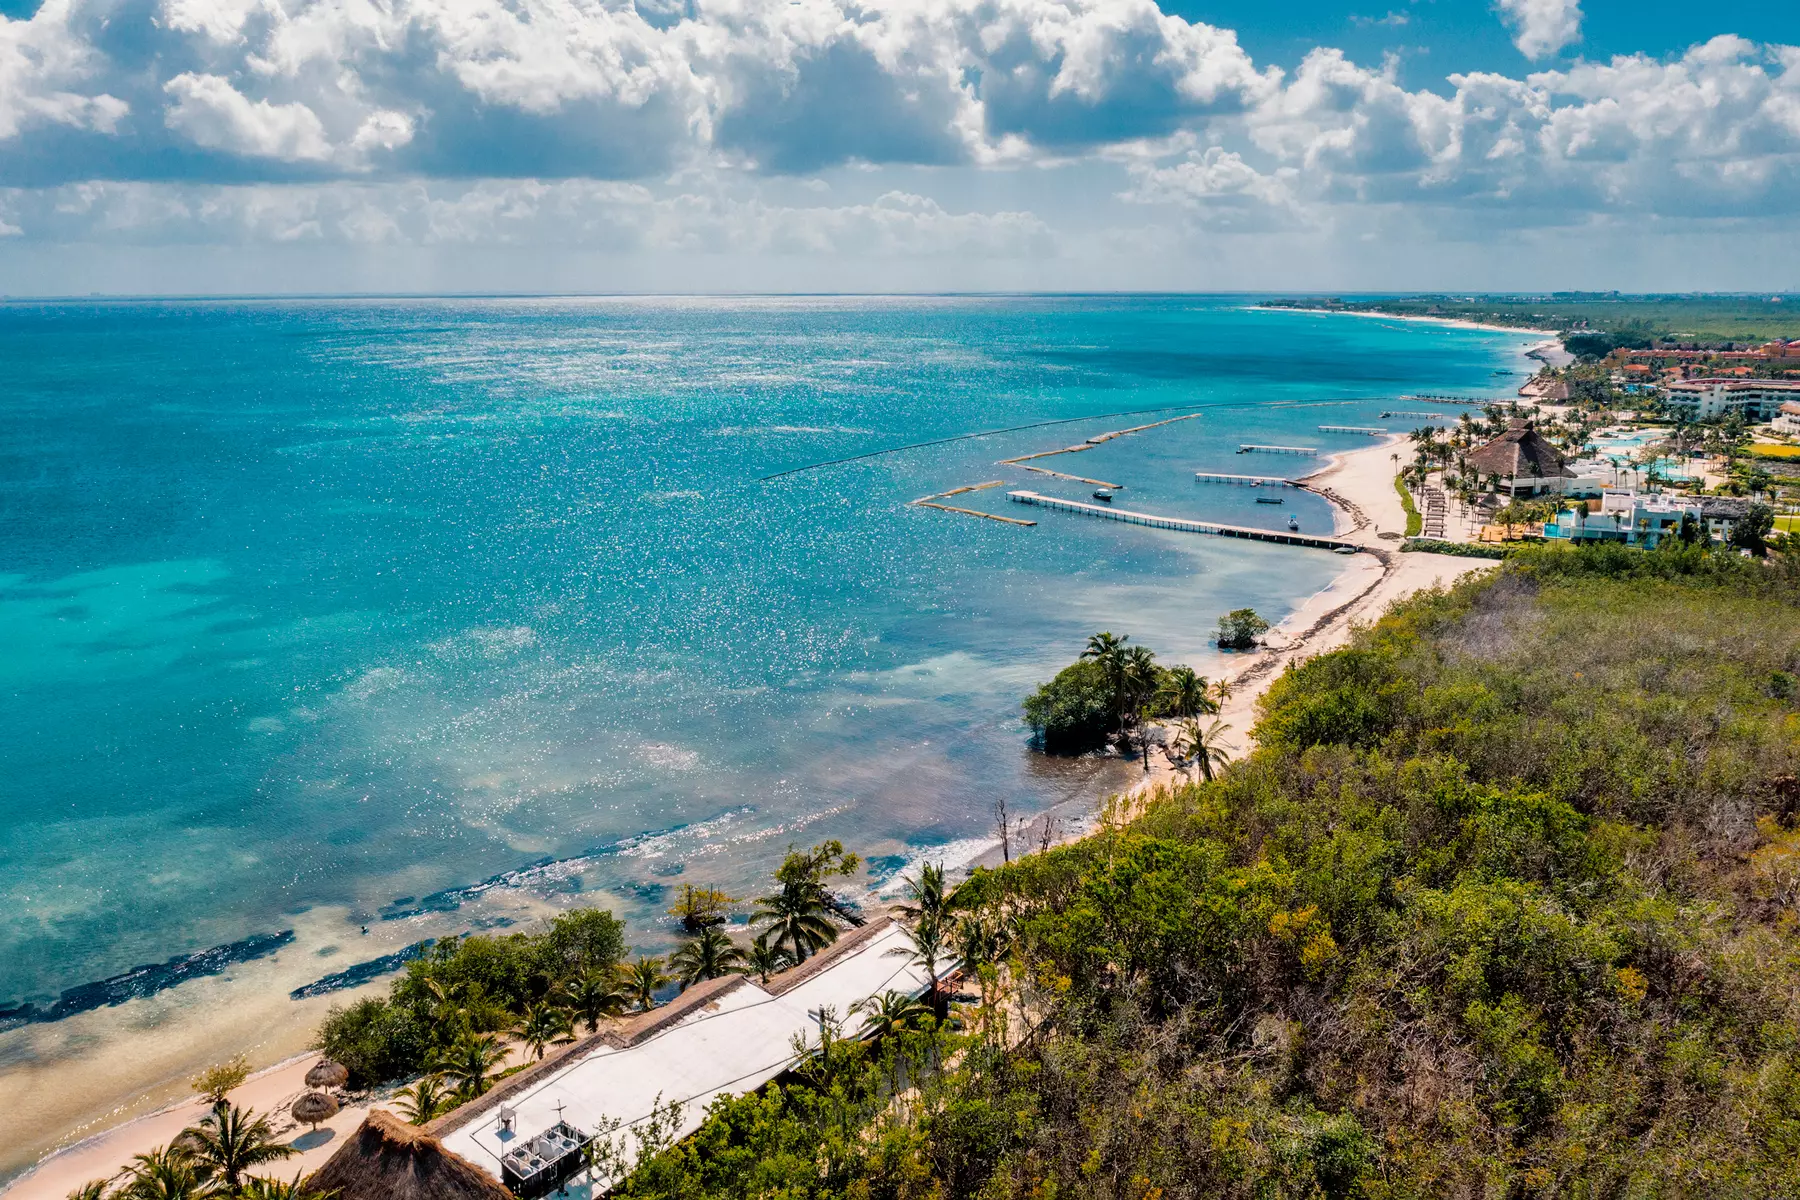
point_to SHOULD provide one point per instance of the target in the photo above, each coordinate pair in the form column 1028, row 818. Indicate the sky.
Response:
column 307, row 146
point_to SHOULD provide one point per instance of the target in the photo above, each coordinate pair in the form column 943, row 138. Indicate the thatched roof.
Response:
column 387, row 1159
column 1520, row 453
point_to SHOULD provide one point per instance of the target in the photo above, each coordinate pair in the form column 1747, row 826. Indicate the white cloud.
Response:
column 1542, row 27
column 41, row 59
column 209, row 112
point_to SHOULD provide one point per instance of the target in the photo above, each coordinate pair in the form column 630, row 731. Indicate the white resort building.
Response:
column 1709, row 399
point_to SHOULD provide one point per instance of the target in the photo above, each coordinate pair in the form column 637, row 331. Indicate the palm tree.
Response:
column 544, row 1025
column 1221, row 692
column 1184, row 693
column 229, row 1140
column 764, row 958
column 471, row 1060
column 926, row 949
column 595, row 995
column 708, row 955
column 642, row 979
column 890, row 1013
column 1108, row 649
column 166, row 1174
column 94, row 1189
column 930, row 902
column 423, row 1101
column 798, row 918
column 1202, row 746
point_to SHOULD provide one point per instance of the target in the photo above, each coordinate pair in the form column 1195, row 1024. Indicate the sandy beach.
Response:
column 1359, row 484
column 1452, row 322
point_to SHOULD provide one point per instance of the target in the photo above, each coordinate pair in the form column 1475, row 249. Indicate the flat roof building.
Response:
column 1710, row 399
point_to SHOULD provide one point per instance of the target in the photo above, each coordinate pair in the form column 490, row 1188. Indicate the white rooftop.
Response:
column 736, row 1042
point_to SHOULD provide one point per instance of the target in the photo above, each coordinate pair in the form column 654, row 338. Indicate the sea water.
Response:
column 319, row 617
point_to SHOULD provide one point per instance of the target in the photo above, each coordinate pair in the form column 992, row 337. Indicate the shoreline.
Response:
column 1452, row 322
column 1357, row 483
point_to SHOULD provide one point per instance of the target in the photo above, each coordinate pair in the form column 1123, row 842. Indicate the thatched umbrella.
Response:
column 326, row 1074
column 313, row 1107
column 388, row 1159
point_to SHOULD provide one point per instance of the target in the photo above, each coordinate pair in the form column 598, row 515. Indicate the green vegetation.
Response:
column 1239, row 629
column 1459, row 549
column 217, row 1082
column 1506, row 903
column 1606, row 319
column 1415, row 524
column 1110, row 691
column 209, row 1161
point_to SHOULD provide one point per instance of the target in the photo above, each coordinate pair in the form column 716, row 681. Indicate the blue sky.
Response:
column 168, row 146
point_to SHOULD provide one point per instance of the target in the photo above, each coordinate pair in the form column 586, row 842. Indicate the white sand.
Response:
column 1452, row 322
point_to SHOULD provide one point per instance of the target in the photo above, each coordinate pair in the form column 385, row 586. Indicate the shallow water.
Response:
column 350, row 605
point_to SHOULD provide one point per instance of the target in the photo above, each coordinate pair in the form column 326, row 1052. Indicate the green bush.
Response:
column 377, row 1042
column 1239, row 629
column 1073, row 713
column 1415, row 524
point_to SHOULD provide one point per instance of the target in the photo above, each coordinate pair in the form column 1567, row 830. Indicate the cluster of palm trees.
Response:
column 1143, row 691
column 208, row 1161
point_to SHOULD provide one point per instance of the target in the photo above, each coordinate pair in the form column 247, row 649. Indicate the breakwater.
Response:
column 145, row 980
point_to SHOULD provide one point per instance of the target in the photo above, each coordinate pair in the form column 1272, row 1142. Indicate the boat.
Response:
column 1104, row 494
column 1343, row 549
column 1270, row 500
column 1293, row 524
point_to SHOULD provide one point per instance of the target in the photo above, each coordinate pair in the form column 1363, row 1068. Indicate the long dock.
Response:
column 1099, row 439
column 931, row 501
column 1398, row 412
column 1244, row 480
column 1372, row 430
column 1250, row 448
column 1177, row 523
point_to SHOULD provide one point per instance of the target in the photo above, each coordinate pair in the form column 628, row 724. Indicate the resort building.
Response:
column 1638, row 519
column 1787, row 418
column 1709, row 399
column 1525, row 463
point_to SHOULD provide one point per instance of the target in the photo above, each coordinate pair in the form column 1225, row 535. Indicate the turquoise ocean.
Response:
column 382, row 607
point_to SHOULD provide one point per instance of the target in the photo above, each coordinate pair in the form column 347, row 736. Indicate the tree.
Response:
column 217, row 1082
column 698, row 907
column 424, row 1100
column 1202, row 746
column 890, row 1013
column 583, row 939
column 1184, row 693
column 93, row 1189
column 929, row 900
column 764, row 958
column 1108, row 651
column 707, row 955
column 1751, row 531
column 643, row 979
column 1138, row 684
column 926, row 948
column 1074, row 712
column 166, row 1174
column 799, row 914
column 543, row 1025
column 274, row 1189
column 595, row 995
column 1239, row 629
column 471, row 1061
column 230, row 1140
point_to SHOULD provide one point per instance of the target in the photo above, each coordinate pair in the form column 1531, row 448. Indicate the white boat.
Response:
column 1293, row 524
column 1104, row 494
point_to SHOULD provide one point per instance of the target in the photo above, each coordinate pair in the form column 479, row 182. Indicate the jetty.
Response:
column 1099, row 439
column 1077, row 478
column 1398, row 412
column 1251, row 448
column 1245, row 480
column 931, row 501
column 1372, row 430
column 1181, row 524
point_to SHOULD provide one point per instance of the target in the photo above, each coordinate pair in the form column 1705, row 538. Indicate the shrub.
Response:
column 374, row 1040
column 1239, row 629
column 1073, row 713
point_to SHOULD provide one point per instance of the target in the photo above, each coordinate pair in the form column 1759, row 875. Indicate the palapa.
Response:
column 326, row 1075
column 1520, row 453
column 313, row 1107
column 387, row 1159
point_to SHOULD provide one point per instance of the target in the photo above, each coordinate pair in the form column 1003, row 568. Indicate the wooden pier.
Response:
column 1099, row 439
column 1180, row 524
column 1396, row 412
column 1248, row 448
column 1245, row 480
column 1371, row 430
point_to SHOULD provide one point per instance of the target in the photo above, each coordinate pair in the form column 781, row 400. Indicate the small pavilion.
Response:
column 1526, row 463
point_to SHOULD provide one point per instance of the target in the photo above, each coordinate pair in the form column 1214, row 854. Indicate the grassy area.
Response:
column 1787, row 524
column 1505, row 903
column 1770, row 450
column 1706, row 319
column 1415, row 524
